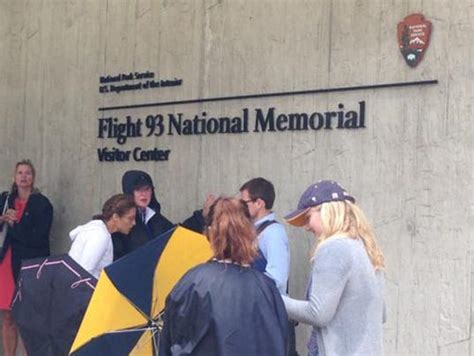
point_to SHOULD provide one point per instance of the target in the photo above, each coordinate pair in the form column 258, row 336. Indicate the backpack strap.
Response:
column 264, row 225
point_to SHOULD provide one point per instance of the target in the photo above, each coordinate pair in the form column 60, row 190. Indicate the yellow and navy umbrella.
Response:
column 123, row 315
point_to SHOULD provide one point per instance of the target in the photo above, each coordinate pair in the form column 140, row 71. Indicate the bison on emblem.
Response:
column 413, row 38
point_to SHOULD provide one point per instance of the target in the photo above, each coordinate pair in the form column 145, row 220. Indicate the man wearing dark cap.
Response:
column 150, row 223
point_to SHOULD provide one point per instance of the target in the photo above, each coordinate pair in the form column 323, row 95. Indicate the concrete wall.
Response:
column 410, row 167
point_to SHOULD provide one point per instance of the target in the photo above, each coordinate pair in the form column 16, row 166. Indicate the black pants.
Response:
column 292, row 338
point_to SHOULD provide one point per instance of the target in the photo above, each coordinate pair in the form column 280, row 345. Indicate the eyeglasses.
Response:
column 249, row 201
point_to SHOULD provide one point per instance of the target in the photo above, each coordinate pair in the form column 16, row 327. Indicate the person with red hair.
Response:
column 225, row 307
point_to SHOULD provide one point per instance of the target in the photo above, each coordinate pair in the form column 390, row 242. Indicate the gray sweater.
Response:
column 345, row 303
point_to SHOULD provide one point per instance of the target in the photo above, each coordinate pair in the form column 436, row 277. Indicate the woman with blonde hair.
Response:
column 345, row 292
column 27, row 216
column 224, row 307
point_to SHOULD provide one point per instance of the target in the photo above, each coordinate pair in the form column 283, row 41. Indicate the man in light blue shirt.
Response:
column 259, row 195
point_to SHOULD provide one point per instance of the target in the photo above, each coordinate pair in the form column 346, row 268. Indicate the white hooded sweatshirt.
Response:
column 92, row 246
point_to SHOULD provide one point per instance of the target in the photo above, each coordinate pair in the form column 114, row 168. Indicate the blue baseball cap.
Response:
column 320, row 192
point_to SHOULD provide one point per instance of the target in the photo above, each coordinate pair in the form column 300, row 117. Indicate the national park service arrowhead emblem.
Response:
column 413, row 38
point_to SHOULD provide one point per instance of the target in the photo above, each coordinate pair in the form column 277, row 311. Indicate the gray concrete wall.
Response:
column 410, row 167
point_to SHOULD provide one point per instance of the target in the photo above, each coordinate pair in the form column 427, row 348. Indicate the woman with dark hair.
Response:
column 224, row 307
column 27, row 215
column 92, row 243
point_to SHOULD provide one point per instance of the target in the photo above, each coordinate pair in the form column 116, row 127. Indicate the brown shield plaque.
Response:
column 413, row 38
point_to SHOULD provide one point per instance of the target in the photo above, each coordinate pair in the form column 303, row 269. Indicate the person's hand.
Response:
column 210, row 199
column 7, row 219
column 10, row 216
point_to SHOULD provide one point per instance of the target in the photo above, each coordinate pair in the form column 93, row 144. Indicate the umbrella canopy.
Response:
column 50, row 302
column 124, row 312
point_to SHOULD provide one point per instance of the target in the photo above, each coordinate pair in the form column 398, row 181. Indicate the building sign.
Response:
column 260, row 120
column 413, row 35
column 116, row 131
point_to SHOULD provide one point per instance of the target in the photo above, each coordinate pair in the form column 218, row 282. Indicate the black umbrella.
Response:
column 51, row 299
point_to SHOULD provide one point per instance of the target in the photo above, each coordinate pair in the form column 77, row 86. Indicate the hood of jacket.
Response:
column 92, row 225
column 135, row 179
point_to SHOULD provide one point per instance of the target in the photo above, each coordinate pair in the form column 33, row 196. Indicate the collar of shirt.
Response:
column 149, row 212
column 270, row 216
